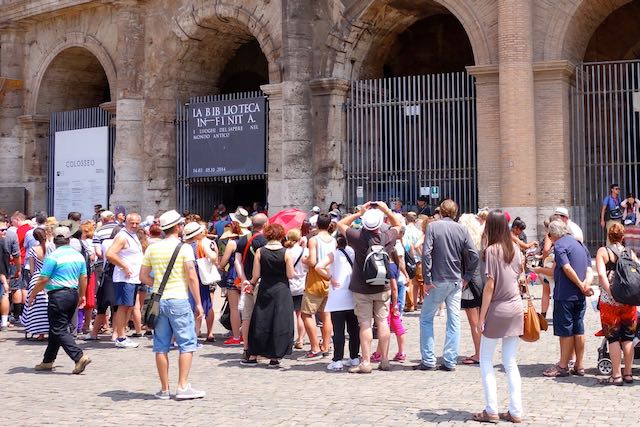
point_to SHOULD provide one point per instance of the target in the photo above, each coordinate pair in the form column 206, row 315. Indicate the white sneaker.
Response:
column 354, row 362
column 189, row 393
column 163, row 395
column 335, row 366
column 126, row 343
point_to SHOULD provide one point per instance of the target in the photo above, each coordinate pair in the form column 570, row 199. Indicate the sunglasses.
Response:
column 2, row 230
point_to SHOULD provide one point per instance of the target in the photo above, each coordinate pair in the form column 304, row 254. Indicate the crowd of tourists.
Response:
column 331, row 276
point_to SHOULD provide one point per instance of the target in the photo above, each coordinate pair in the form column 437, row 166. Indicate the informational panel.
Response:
column 227, row 138
column 81, row 164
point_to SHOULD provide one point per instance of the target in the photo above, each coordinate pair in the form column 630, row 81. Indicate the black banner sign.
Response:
column 227, row 138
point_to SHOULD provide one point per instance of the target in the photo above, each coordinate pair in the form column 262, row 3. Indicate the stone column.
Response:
column 329, row 139
column 12, row 54
column 275, row 156
column 297, row 151
column 553, row 134
column 488, row 131
column 35, row 146
column 517, row 120
column 128, row 156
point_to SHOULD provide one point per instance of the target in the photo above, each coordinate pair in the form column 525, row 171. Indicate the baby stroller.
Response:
column 605, row 366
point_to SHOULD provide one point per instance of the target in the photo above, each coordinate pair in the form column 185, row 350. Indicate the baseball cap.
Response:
column 315, row 209
column 62, row 232
column 372, row 219
column 562, row 211
column 106, row 214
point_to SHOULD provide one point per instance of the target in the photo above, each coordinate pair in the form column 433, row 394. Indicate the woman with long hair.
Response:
column 34, row 317
column 299, row 253
column 226, row 265
column 271, row 327
column 501, row 318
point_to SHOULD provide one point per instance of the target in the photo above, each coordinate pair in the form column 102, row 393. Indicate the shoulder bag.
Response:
column 207, row 272
column 152, row 311
column 532, row 327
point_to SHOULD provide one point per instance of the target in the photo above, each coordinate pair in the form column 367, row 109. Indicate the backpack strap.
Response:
column 346, row 256
column 246, row 248
column 299, row 258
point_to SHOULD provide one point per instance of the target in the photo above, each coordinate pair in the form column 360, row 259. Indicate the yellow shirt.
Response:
column 158, row 256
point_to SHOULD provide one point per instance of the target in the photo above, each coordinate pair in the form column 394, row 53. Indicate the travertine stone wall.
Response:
column 146, row 55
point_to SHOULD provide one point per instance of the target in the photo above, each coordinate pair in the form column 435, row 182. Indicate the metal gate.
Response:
column 202, row 195
column 72, row 120
column 413, row 135
column 605, row 139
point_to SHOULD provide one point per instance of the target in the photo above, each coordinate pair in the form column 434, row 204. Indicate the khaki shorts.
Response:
column 312, row 304
column 249, row 303
column 372, row 306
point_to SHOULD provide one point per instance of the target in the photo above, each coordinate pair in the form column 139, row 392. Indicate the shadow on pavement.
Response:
column 120, row 395
column 444, row 415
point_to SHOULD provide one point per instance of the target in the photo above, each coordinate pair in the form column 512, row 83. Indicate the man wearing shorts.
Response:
column 126, row 255
column 371, row 301
column 572, row 275
column 245, row 252
column 176, row 319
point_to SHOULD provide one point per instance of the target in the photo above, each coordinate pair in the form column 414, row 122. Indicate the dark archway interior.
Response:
column 246, row 71
column 75, row 79
column 436, row 44
column 618, row 37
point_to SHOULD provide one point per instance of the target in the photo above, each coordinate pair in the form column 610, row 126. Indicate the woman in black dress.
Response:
column 271, row 328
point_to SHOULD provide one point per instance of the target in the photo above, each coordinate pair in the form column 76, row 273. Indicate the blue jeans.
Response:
column 450, row 294
column 402, row 295
column 175, row 320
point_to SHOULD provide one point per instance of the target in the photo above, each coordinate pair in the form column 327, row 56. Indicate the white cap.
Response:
column 562, row 211
column 315, row 209
column 62, row 232
column 106, row 214
column 372, row 219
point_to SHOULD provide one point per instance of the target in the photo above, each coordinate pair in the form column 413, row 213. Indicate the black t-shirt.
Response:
column 258, row 241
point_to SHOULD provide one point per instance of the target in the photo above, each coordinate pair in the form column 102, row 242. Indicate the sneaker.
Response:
column 189, row 393
column 375, row 357
column 88, row 337
column 81, row 364
column 163, row 395
column 361, row 369
column 335, row 366
column 400, row 357
column 4, row 328
column 126, row 343
column 310, row 356
column 148, row 333
column 199, row 345
column 44, row 366
column 423, row 367
column 354, row 362
column 233, row 341
column 446, row 368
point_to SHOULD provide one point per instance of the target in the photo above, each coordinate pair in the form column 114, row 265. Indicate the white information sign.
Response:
column 81, row 163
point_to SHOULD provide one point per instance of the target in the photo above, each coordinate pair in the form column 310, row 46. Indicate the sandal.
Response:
column 485, row 417
column 617, row 381
column 577, row 371
column 470, row 361
column 556, row 372
column 506, row 416
column 627, row 378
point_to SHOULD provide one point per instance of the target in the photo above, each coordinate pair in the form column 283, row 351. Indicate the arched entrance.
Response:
column 226, row 64
column 606, row 127
column 71, row 152
column 411, row 122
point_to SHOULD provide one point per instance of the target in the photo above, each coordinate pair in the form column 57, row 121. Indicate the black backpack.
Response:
column 410, row 264
column 376, row 264
column 625, row 288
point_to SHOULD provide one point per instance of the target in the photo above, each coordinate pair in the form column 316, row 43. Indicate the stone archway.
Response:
column 377, row 24
column 78, row 51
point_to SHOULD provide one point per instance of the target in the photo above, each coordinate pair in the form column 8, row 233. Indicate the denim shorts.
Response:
column 568, row 318
column 125, row 293
column 175, row 320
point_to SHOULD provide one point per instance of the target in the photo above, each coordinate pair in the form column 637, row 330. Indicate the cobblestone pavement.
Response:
column 118, row 387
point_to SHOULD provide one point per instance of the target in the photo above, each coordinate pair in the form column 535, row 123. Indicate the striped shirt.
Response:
column 63, row 267
column 158, row 256
column 104, row 232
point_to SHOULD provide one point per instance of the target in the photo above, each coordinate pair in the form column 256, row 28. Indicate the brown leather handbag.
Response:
column 531, row 331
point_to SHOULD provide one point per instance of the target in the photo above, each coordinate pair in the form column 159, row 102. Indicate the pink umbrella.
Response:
column 289, row 218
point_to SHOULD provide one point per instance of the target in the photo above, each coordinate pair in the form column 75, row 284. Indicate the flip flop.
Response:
column 470, row 361
column 617, row 381
column 628, row 378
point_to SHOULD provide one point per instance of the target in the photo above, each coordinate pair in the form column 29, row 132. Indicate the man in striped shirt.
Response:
column 104, row 231
column 63, row 272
